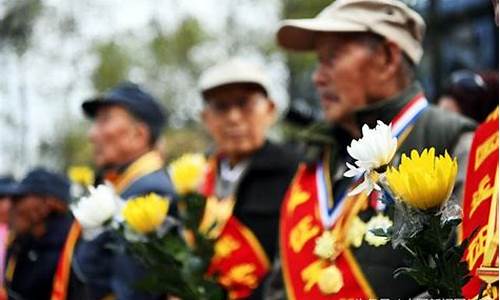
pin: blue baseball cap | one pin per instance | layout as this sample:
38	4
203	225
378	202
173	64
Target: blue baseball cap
41	182
137	101
7	186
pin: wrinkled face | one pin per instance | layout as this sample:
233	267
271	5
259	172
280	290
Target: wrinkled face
237	117
344	76
27	212
116	136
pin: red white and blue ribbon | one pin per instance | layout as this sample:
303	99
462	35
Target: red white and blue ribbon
403	120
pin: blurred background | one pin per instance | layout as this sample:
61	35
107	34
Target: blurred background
54	54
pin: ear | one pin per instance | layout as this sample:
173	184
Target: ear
392	60
142	132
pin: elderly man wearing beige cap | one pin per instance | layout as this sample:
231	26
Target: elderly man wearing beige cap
367	54
247	178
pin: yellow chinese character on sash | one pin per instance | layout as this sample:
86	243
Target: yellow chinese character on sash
225	246
476	247
311	274
485	149
484	191
241	274
302	233
297	197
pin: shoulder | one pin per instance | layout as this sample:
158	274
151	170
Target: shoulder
157	182
274	156
443	120
442	129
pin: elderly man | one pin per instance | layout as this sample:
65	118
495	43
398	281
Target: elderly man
367	54
127	123
248	175
41	224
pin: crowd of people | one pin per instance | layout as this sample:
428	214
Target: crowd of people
281	199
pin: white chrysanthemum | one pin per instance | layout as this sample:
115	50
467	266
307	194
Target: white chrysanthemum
374	150
94	210
377	222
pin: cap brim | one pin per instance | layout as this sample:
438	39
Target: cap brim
299	34
225	83
90	107
9	190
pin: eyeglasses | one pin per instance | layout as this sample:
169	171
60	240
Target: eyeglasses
221	107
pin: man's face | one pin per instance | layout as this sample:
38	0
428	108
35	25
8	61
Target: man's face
343	77
115	135
28	212
237	118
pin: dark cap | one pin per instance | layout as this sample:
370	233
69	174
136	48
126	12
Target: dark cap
41	182
138	102
7	186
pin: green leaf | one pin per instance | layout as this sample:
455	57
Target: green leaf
381	232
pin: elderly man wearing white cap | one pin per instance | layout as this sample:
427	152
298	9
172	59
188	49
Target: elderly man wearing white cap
367	54
248	175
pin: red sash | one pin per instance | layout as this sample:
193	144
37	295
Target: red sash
239	261
481	208
299	228
63	271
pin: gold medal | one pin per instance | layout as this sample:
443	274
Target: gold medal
330	280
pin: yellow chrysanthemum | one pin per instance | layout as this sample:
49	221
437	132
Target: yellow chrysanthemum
424	181
188	172
82	175
145	214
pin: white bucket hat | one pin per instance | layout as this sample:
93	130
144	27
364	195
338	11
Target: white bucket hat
233	71
391	19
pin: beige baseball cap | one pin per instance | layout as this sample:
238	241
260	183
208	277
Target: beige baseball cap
235	70
391	19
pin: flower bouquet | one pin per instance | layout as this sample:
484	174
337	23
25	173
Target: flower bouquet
175	264
416	195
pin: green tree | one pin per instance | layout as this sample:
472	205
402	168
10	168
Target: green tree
113	67
17	24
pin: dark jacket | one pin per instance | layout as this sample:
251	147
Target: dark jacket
435	128
105	270
260	193
36	260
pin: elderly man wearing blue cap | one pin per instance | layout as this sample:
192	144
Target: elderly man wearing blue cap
127	123
40	224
